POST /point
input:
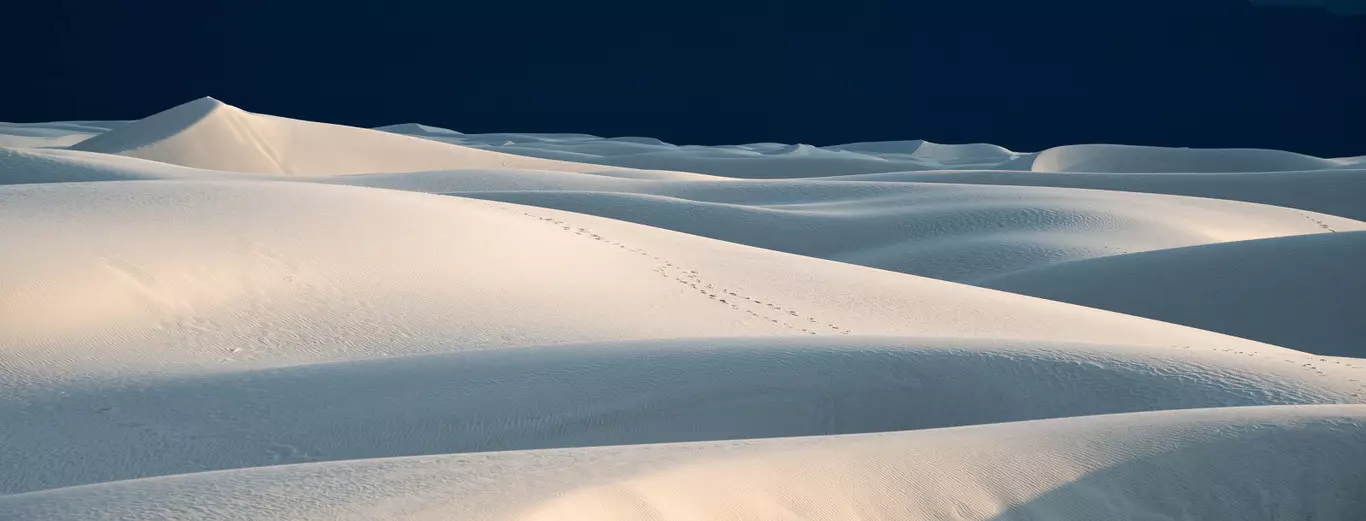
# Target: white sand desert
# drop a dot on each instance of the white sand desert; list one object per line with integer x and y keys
{"x": 215, "y": 314}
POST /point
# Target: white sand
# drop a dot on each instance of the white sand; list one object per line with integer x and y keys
{"x": 193, "y": 303}
{"x": 1306, "y": 292}
{"x": 206, "y": 133}
{"x": 1296, "y": 462}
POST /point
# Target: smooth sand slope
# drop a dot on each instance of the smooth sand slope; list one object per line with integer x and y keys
{"x": 1300, "y": 462}
{"x": 1262, "y": 176}
{"x": 624, "y": 393}
{"x": 1336, "y": 191}
{"x": 42, "y": 165}
{"x": 777, "y": 160}
{"x": 55, "y": 134}
{"x": 207, "y": 133}
{"x": 755, "y": 160}
{"x": 961, "y": 233}
{"x": 1133, "y": 159}
{"x": 1306, "y": 292}
{"x": 134, "y": 274}
{"x": 215, "y": 314}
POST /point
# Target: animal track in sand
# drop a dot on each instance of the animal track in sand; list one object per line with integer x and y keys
{"x": 1318, "y": 222}
{"x": 694, "y": 280}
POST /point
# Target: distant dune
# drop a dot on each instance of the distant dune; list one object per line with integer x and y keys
{"x": 1132, "y": 159}
{"x": 207, "y": 133}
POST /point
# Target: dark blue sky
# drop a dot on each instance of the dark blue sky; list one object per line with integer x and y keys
{"x": 1024, "y": 74}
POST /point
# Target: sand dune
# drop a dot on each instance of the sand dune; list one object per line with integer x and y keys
{"x": 627, "y": 393}
{"x": 775, "y": 160}
{"x": 176, "y": 272}
{"x": 1336, "y": 192}
{"x": 937, "y": 152}
{"x": 418, "y": 129}
{"x": 960, "y": 233}
{"x": 1300, "y": 462}
{"x": 760, "y": 160}
{"x": 31, "y": 166}
{"x": 215, "y": 314}
{"x": 1132, "y": 159}
{"x": 754, "y": 160}
{"x": 207, "y": 133}
{"x": 1304, "y": 292}
{"x": 22, "y": 135}
{"x": 23, "y": 165}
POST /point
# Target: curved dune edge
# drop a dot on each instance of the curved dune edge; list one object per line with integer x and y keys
{"x": 1133, "y": 159}
{"x": 203, "y": 131}
{"x": 1307, "y": 461}
{"x": 962, "y": 233}
{"x": 1304, "y": 292}
{"x": 625, "y": 393}
{"x": 136, "y": 276}
{"x": 1334, "y": 192}
{"x": 210, "y": 134}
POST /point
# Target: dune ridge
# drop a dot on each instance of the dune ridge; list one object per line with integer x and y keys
{"x": 210, "y": 134}
{"x": 1300, "y": 291}
{"x": 1268, "y": 462}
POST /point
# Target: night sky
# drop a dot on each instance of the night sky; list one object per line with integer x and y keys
{"x": 1023, "y": 74}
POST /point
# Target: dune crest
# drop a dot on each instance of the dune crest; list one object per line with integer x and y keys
{"x": 209, "y": 134}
